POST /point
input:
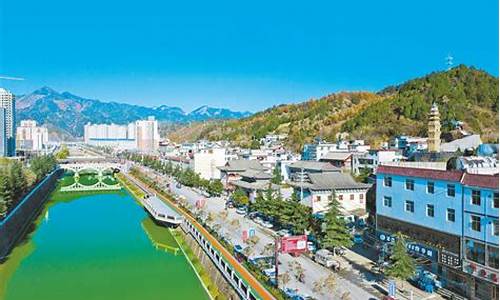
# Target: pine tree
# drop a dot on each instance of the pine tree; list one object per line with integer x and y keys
{"x": 276, "y": 175}
{"x": 5, "y": 190}
{"x": 403, "y": 265}
{"x": 336, "y": 233}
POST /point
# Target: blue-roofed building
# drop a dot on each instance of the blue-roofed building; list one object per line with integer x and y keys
{"x": 450, "y": 217}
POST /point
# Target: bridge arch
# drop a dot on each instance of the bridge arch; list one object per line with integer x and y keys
{"x": 99, "y": 169}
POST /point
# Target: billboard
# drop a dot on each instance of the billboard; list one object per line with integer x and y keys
{"x": 293, "y": 244}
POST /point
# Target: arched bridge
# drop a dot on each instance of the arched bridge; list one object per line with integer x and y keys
{"x": 99, "y": 169}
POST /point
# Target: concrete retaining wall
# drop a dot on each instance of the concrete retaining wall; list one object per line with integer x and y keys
{"x": 217, "y": 278}
{"x": 14, "y": 226}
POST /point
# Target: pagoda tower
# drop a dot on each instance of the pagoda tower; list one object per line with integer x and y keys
{"x": 434, "y": 130}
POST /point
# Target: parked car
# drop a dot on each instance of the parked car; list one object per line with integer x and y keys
{"x": 258, "y": 220}
{"x": 242, "y": 210}
{"x": 238, "y": 248}
{"x": 357, "y": 238}
{"x": 267, "y": 224}
{"x": 284, "y": 233}
{"x": 361, "y": 223}
{"x": 311, "y": 247}
{"x": 339, "y": 251}
{"x": 252, "y": 215}
{"x": 324, "y": 257}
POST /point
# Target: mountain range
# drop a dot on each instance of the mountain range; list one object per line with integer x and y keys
{"x": 67, "y": 113}
{"x": 463, "y": 94}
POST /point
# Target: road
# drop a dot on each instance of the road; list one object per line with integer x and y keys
{"x": 315, "y": 274}
{"x": 256, "y": 285}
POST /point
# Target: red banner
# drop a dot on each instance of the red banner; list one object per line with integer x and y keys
{"x": 293, "y": 244}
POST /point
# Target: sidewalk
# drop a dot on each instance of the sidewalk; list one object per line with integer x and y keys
{"x": 361, "y": 266}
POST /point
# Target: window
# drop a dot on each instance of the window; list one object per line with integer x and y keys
{"x": 361, "y": 196}
{"x": 409, "y": 206}
{"x": 451, "y": 190}
{"x": 387, "y": 201}
{"x": 474, "y": 251}
{"x": 341, "y": 197}
{"x": 388, "y": 181}
{"x": 351, "y": 196}
{"x": 410, "y": 184}
{"x": 430, "y": 187}
{"x": 492, "y": 256}
{"x": 475, "y": 223}
{"x": 494, "y": 225}
{"x": 495, "y": 200}
{"x": 450, "y": 215}
{"x": 476, "y": 197}
{"x": 430, "y": 210}
{"x": 318, "y": 198}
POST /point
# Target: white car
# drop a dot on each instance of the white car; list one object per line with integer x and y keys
{"x": 284, "y": 233}
{"x": 267, "y": 224}
{"x": 258, "y": 220}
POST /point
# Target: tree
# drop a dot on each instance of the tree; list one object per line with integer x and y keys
{"x": 240, "y": 198}
{"x": 276, "y": 179}
{"x": 215, "y": 187}
{"x": 63, "y": 153}
{"x": 5, "y": 190}
{"x": 335, "y": 232}
{"x": 403, "y": 265}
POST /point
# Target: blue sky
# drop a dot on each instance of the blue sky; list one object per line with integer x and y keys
{"x": 244, "y": 55}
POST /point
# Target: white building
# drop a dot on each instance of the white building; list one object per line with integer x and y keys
{"x": 317, "y": 190}
{"x": 29, "y": 136}
{"x": 207, "y": 161}
{"x": 147, "y": 135}
{"x": 8, "y": 103}
{"x": 371, "y": 159}
{"x": 142, "y": 135}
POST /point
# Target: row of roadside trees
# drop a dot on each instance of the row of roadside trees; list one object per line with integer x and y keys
{"x": 16, "y": 179}
{"x": 330, "y": 231}
{"x": 186, "y": 176}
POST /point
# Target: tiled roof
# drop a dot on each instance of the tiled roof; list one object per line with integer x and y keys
{"x": 257, "y": 186}
{"x": 336, "y": 156}
{"x": 451, "y": 175}
{"x": 240, "y": 165}
{"x": 255, "y": 174}
{"x": 313, "y": 165}
{"x": 479, "y": 180}
{"x": 331, "y": 180}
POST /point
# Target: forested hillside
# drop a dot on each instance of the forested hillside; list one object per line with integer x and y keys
{"x": 462, "y": 94}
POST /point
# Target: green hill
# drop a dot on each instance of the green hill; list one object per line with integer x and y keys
{"x": 462, "y": 93}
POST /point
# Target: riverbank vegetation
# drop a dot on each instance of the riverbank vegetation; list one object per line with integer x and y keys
{"x": 132, "y": 188}
{"x": 17, "y": 179}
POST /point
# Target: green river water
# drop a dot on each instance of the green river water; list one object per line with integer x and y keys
{"x": 97, "y": 246}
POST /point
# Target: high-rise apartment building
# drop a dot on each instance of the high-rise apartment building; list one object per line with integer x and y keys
{"x": 3, "y": 134}
{"x": 147, "y": 135}
{"x": 29, "y": 136}
{"x": 141, "y": 135}
{"x": 8, "y": 102}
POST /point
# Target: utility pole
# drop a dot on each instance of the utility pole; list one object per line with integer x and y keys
{"x": 301, "y": 184}
{"x": 276, "y": 252}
